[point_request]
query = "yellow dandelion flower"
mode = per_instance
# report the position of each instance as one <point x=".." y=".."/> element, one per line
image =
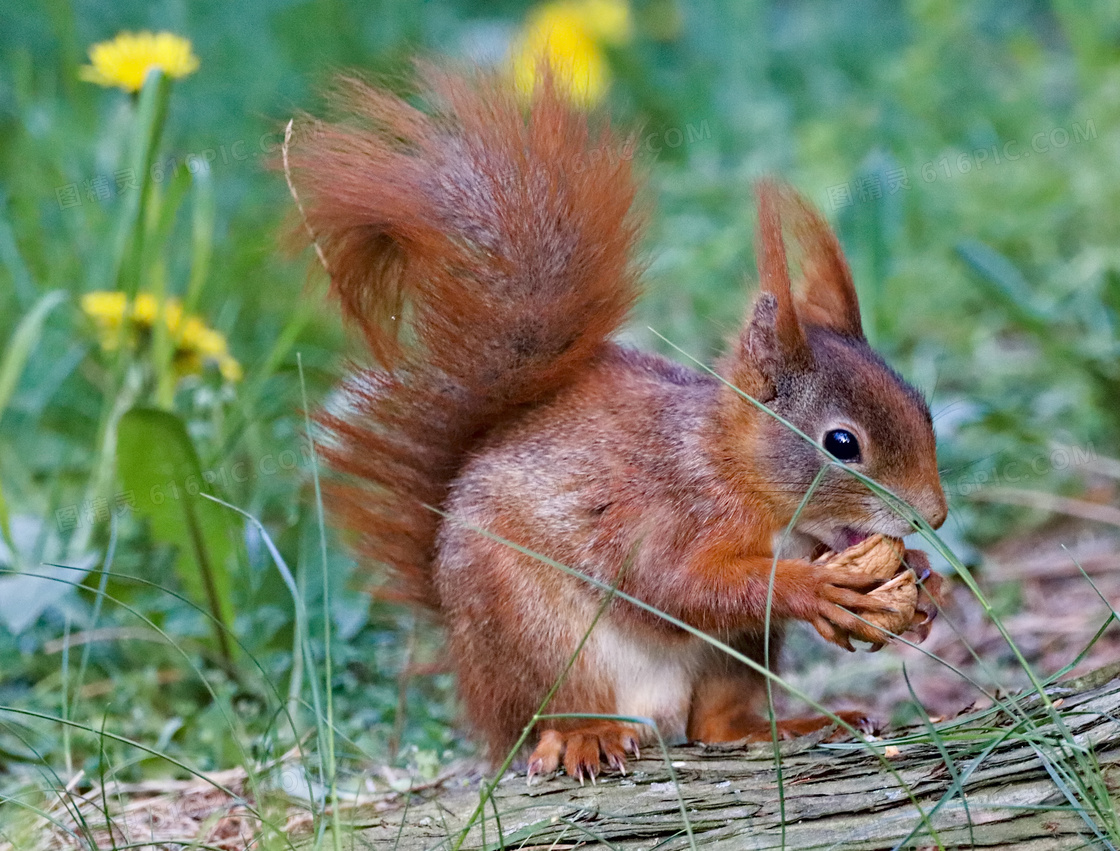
<point x="568" y="35"/>
<point x="173" y="315"/>
<point x="147" y="312"/>
<point x="104" y="306"/>
<point x="199" y="345"/>
<point x="145" y="309"/>
<point x="125" y="61"/>
<point x="192" y="332"/>
<point x="230" y="369"/>
<point x="607" y="20"/>
<point x="212" y="345"/>
<point x="108" y="311"/>
<point x="196" y="344"/>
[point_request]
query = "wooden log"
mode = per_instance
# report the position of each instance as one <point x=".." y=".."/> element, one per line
<point x="991" y="779"/>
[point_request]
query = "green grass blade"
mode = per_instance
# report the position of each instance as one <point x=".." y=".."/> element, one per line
<point x="12" y="258"/>
<point x="202" y="236"/>
<point x="1005" y="282"/>
<point x="331" y="768"/>
<point x="22" y="343"/>
<point x="121" y="268"/>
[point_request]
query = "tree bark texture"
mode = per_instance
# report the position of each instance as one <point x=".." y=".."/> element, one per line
<point x="1017" y="778"/>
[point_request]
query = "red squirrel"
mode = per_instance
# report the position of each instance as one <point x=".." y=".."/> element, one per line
<point x="483" y="243"/>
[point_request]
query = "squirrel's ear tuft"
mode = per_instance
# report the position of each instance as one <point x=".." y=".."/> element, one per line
<point x="776" y="309"/>
<point x="826" y="295"/>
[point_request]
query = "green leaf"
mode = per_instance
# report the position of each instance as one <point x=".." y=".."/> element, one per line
<point x="160" y="472"/>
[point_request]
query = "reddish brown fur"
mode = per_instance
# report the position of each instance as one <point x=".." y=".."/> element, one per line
<point x="500" y="236"/>
<point x="485" y="255"/>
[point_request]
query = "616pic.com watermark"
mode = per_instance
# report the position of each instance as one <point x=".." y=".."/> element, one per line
<point x="869" y="187"/>
<point x="101" y="509"/>
<point x="104" y="187"/>
<point x="1018" y="471"/>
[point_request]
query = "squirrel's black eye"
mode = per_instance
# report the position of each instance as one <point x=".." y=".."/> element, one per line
<point x="842" y="444"/>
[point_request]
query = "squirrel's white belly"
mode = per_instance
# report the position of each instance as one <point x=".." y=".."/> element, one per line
<point x="651" y="679"/>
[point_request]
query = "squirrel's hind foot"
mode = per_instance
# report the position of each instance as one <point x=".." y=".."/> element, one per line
<point x="791" y="728"/>
<point x="584" y="750"/>
<point x="744" y="725"/>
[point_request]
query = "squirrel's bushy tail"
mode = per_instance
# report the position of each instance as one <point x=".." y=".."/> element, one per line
<point x="482" y="244"/>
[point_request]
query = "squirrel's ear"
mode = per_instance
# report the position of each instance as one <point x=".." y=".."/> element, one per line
<point x="774" y="333"/>
<point x="761" y="360"/>
<point x="827" y="295"/>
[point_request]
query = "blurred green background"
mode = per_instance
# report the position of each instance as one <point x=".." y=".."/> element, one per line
<point x="966" y="152"/>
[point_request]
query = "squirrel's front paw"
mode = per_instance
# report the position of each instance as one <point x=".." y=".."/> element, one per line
<point x="929" y="596"/>
<point x="870" y="580"/>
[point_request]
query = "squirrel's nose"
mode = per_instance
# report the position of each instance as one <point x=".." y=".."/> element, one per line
<point x="929" y="502"/>
<point x="934" y="507"/>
